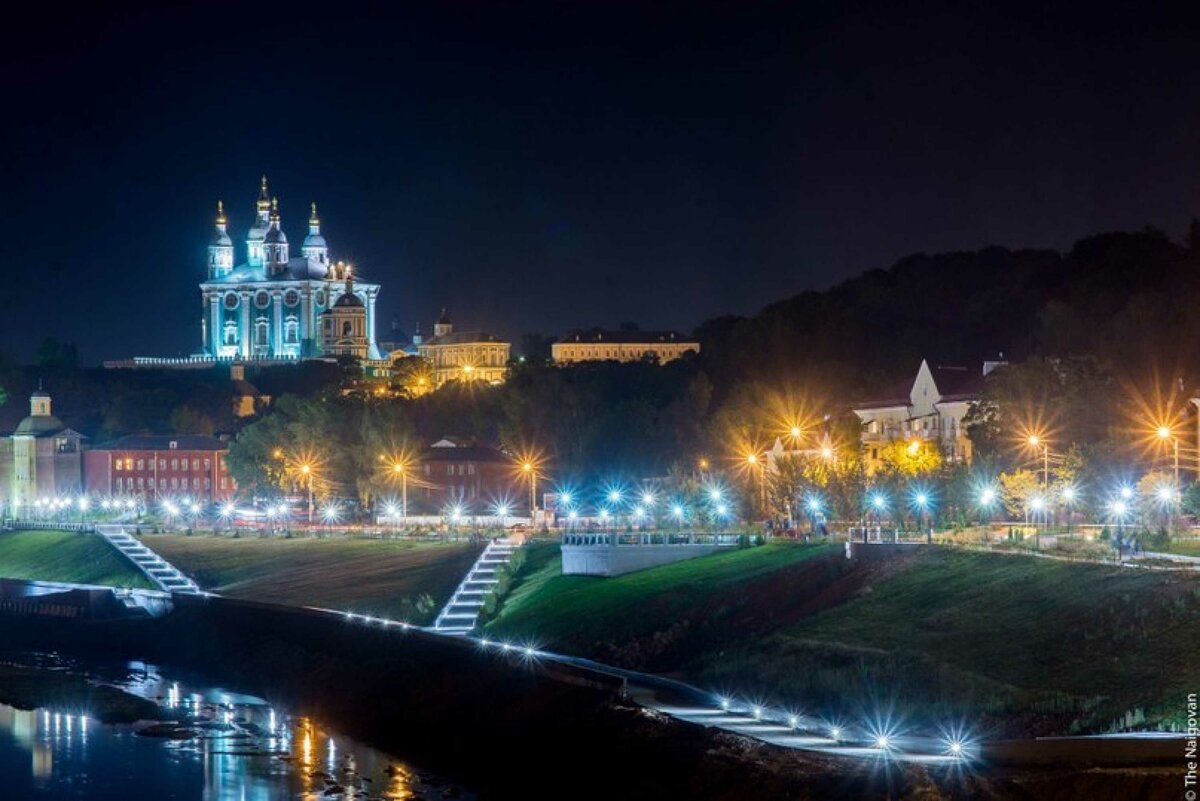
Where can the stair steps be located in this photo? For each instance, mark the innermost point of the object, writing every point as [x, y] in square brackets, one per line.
[461, 613]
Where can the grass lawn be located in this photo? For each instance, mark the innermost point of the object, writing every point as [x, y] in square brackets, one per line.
[392, 578]
[1182, 547]
[1013, 643]
[66, 556]
[580, 612]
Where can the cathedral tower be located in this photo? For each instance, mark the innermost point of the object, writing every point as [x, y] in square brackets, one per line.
[275, 244]
[220, 247]
[314, 248]
[262, 221]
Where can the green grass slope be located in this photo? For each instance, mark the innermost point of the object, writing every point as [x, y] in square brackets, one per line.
[610, 617]
[66, 556]
[1016, 644]
[404, 580]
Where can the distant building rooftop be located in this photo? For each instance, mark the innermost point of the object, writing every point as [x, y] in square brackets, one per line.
[622, 337]
[163, 442]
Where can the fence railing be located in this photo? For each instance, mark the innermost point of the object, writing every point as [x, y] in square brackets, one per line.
[614, 539]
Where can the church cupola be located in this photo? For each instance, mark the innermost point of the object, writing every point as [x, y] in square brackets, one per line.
[262, 221]
[443, 326]
[39, 403]
[314, 248]
[275, 244]
[220, 247]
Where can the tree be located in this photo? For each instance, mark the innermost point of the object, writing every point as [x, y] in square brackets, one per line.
[1018, 488]
[910, 459]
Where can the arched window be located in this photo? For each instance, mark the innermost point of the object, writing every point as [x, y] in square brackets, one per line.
[347, 329]
[291, 330]
[261, 332]
[231, 334]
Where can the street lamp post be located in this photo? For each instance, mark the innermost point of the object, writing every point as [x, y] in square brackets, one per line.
[306, 471]
[400, 468]
[1037, 442]
[757, 464]
[530, 469]
[1165, 433]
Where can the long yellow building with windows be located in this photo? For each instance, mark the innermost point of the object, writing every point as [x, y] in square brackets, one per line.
[596, 344]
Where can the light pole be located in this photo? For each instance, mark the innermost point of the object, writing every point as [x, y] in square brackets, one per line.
[756, 465]
[530, 469]
[1165, 433]
[400, 469]
[306, 472]
[922, 501]
[1036, 442]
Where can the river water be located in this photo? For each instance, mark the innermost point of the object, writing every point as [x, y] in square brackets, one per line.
[225, 747]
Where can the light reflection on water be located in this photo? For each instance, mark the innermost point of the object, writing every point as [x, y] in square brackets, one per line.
[243, 750]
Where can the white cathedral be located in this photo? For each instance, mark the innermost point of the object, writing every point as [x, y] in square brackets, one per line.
[276, 306]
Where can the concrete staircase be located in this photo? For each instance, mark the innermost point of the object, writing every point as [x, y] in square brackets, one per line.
[461, 612]
[159, 570]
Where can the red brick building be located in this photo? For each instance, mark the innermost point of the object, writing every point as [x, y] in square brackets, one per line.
[159, 466]
[475, 476]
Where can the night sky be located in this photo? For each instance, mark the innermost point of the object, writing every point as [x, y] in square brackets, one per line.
[539, 168]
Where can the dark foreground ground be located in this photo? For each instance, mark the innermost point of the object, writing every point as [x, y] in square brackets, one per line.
[506, 728]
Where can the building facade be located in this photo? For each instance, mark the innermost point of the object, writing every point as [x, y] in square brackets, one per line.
[270, 306]
[40, 459]
[468, 475]
[463, 356]
[160, 466]
[596, 344]
[930, 408]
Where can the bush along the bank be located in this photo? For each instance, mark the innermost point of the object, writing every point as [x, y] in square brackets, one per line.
[504, 580]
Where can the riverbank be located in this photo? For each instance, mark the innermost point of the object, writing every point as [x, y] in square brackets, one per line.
[930, 635]
[69, 556]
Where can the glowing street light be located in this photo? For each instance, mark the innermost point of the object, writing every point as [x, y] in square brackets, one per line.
[1165, 434]
[399, 470]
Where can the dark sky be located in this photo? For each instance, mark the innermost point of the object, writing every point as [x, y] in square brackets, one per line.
[537, 168]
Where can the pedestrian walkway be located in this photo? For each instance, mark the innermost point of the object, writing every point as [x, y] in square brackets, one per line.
[157, 569]
[461, 613]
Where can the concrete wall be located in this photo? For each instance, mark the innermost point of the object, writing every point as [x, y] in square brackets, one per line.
[606, 560]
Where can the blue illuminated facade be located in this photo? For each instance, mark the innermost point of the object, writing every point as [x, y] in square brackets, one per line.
[271, 305]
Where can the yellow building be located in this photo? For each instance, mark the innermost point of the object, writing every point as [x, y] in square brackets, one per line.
[463, 356]
[596, 344]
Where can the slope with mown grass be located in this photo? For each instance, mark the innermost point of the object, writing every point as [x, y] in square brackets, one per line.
[1015, 644]
[71, 556]
[391, 578]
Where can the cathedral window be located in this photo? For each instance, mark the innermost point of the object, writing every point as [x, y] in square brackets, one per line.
[231, 300]
[347, 329]
[291, 330]
[320, 297]
[231, 334]
[262, 300]
[291, 297]
[261, 332]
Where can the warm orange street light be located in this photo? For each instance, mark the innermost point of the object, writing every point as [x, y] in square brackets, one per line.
[1036, 442]
[1165, 433]
[528, 465]
[400, 470]
[306, 470]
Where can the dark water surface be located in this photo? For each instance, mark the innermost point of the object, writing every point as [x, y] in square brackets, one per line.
[230, 747]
